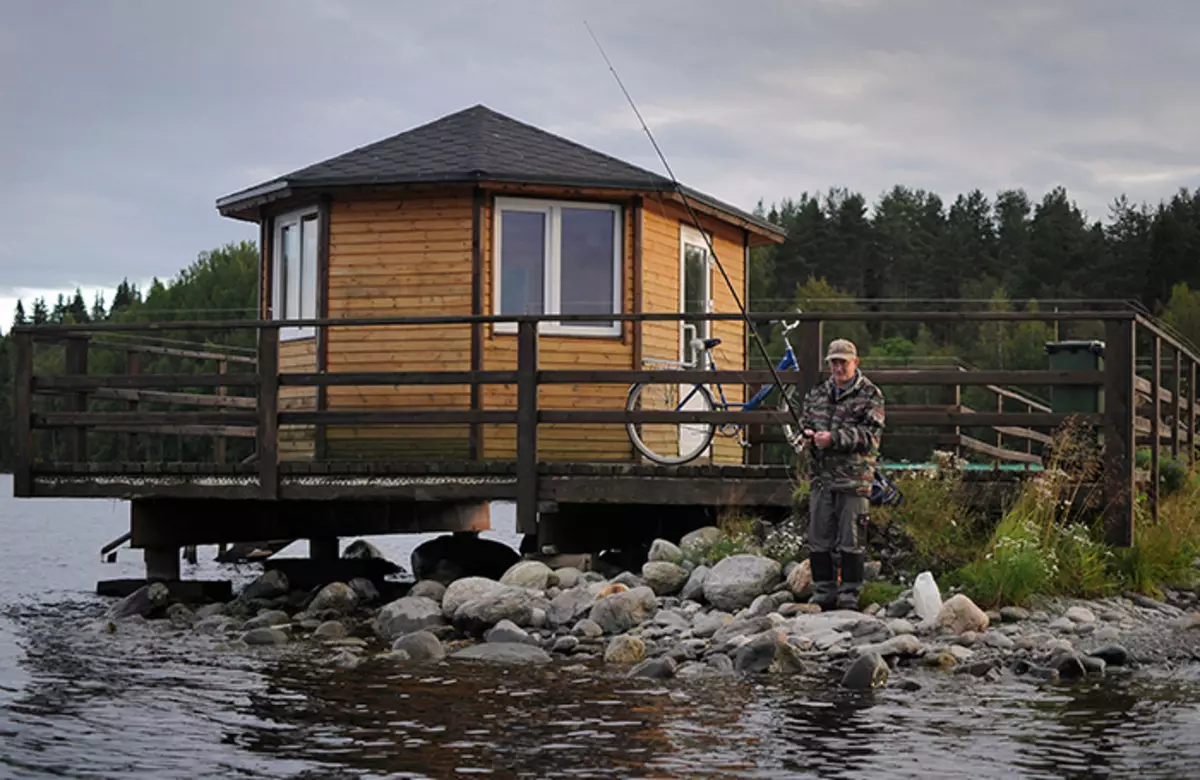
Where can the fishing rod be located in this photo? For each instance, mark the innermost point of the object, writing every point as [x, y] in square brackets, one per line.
[707, 240]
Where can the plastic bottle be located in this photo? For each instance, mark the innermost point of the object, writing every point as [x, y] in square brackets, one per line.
[927, 599]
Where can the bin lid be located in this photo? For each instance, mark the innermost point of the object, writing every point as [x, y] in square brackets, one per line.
[1081, 345]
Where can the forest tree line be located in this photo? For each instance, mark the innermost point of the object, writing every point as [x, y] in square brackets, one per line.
[907, 249]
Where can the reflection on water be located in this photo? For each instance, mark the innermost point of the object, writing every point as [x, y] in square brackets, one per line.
[150, 702]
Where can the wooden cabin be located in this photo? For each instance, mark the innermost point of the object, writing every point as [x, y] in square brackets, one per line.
[476, 212]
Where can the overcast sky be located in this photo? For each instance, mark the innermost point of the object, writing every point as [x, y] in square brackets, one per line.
[122, 121]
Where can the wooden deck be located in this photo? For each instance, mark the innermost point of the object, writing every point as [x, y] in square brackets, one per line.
[83, 433]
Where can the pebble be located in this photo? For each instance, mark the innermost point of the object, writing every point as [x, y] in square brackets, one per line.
[1080, 615]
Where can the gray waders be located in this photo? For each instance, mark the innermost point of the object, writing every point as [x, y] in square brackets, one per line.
[837, 523]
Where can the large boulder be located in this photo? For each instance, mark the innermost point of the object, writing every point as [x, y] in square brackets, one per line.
[503, 653]
[696, 543]
[736, 581]
[960, 614]
[270, 585]
[664, 578]
[662, 550]
[622, 611]
[335, 597]
[407, 616]
[467, 589]
[462, 554]
[527, 574]
[506, 603]
[143, 602]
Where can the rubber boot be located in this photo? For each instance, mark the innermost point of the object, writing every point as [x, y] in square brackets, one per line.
[850, 589]
[824, 582]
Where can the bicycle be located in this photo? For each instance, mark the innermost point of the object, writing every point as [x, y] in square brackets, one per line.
[691, 439]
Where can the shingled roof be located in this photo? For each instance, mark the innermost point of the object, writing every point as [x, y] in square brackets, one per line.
[475, 144]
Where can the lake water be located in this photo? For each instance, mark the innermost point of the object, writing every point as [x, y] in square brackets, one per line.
[137, 704]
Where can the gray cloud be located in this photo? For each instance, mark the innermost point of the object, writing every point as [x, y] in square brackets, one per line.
[123, 122]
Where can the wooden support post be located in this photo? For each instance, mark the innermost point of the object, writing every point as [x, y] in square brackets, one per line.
[23, 408]
[1177, 398]
[268, 411]
[808, 354]
[219, 453]
[75, 356]
[1119, 434]
[1192, 398]
[475, 434]
[527, 433]
[1155, 423]
[132, 367]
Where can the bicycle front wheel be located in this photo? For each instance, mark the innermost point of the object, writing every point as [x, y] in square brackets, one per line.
[670, 443]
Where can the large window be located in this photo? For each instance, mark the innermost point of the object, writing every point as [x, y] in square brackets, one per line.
[558, 258]
[295, 270]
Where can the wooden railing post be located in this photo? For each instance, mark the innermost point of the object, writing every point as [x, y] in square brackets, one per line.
[1120, 409]
[268, 411]
[219, 444]
[808, 354]
[527, 424]
[1192, 398]
[1155, 423]
[23, 407]
[132, 367]
[75, 356]
[1177, 399]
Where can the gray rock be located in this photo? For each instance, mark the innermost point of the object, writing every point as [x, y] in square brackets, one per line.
[736, 581]
[900, 626]
[407, 615]
[466, 589]
[670, 619]
[270, 585]
[274, 617]
[143, 602]
[1095, 666]
[867, 672]
[1080, 615]
[335, 597]
[366, 590]
[693, 590]
[900, 608]
[998, 641]
[904, 644]
[569, 606]
[181, 616]
[1112, 655]
[745, 626]
[720, 662]
[508, 631]
[1068, 665]
[428, 589]
[663, 551]
[568, 577]
[696, 543]
[330, 629]
[625, 649]
[628, 579]
[420, 646]
[509, 603]
[664, 577]
[655, 668]
[1063, 624]
[528, 574]
[622, 611]
[1014, 614]
[210, 610]
[588, 629]
[503, 653]
[709, 623]
[265, 636]
[762, 606]
[565, 644]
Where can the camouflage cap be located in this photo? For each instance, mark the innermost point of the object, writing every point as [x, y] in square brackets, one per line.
[843, 349]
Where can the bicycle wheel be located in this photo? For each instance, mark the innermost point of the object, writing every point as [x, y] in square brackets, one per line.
[790, 399]
[670, 443]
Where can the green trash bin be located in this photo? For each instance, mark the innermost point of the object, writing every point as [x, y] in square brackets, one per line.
[1076, 356]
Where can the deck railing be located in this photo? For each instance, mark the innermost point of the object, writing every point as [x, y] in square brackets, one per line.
[245, 403]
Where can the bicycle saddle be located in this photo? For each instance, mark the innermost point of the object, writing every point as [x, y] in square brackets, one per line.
[710, 343]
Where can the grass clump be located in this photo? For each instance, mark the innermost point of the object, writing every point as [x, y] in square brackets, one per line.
[880, 592]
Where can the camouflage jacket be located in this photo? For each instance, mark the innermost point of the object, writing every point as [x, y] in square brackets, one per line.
[855, 417]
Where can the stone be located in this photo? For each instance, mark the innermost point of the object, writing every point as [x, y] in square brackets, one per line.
[799, 608]
[664, 577]
[534, 575]
[568, 577]
[1112, 655]
[960, 614]
[872, 570]
[867, 672]
[429, 589]
[587, 628]
[565, 644]
[1014, 614]
[270, 585]
[508, 631]
[720, 662]
[406, 615]
[568, 606]
[693, 589]
[762, 606]
[655, 668]
[461, 591]
[1080, 615]
[665, 552]
[904, 644]
[624, 649]
[695, 544]
[622, 611]
[998, 641]
[420, 646]
[366, 590]
[503, 653]
[331, 629]
[736, 581]
[265, 636]
[143, 602]
[335, 597]
[1068, 665]
[900, 626]
[181, 616]
[900, 608]
[273, 617]
[799, 579]
[456, 556]
[1062, 624]
[507, 603]
[709, 623]
[1095, 666]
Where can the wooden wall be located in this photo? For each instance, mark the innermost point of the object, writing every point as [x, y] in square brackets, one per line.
[297, 442]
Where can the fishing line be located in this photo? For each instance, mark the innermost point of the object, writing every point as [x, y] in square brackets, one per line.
[696, 221]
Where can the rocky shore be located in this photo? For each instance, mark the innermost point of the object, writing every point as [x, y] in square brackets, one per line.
[744, 614]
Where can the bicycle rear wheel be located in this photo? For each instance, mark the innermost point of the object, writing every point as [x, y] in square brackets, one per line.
[670, 443]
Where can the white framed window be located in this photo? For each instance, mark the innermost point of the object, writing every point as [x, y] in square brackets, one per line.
[294, 270]
[557, 257]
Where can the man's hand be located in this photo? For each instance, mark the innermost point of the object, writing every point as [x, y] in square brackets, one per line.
[820, 438]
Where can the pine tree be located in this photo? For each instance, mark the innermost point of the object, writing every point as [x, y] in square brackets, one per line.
[19, 315]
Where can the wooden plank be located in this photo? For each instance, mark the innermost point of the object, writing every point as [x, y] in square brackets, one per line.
[23, 409]
[95, 381]
[188, 399]
[761, 375]
[895, 418]
[1034, 405]
[268, 412]
[1000, 453]
[1155, 423]
[231, 431]
[324, 232]
[75, 357]
[667, 490]
[369, 417]
[638, 304]
[527, 430]
[1119, 436]
[1025, 433]
[1190, 403]
[92, 419]
[1178, 392]
[478, 201]
[199, 354]
[380, 378]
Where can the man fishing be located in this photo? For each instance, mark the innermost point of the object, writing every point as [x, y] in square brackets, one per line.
[843, 417]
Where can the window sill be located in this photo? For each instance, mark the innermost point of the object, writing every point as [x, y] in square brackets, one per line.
[510, 329]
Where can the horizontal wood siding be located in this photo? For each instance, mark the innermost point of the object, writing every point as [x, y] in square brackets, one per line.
[297, 442]
[396, 257]
[560, 442]
[661, 291]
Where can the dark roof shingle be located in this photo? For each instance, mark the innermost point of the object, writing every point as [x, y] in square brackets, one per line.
[475, 144]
